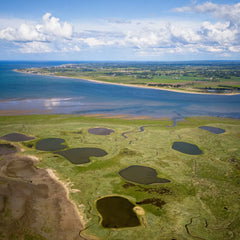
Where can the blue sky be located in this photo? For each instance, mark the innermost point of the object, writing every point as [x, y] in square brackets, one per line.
[119, 30]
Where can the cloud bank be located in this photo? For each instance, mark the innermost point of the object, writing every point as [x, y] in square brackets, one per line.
[145, 37]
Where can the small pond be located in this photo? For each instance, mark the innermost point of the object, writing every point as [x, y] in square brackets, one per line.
[117, 212]
[100, 131]
[7, 149]
[50, 144]
[82, 155]
[16, 137]
[142, 175]
[187, 148]
[213, 129]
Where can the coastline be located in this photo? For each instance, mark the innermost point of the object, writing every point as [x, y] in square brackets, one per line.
[131, 85]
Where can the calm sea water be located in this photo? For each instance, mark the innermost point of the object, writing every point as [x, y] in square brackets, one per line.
[45, 94]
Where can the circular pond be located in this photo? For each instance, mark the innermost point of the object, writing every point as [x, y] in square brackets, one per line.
[213, 129]
[16, 137]
[82, 155]
[117, 212]
[142, 175]
[7, 149]
[50, 144]
[100, 131]
[187, 148]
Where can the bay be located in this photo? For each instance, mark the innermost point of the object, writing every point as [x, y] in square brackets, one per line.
[48, 94]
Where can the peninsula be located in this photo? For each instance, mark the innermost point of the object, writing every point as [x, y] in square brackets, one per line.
[215, 77]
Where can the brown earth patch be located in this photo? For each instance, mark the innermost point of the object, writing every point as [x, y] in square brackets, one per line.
[33, 202]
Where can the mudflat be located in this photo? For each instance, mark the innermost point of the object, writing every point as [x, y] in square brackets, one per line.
[33, 204]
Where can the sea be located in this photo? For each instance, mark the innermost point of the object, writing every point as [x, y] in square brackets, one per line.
[22, 93]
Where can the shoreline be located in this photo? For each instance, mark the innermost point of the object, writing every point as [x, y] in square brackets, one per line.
[131, 85]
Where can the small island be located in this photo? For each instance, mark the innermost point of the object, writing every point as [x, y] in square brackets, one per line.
[214, 77]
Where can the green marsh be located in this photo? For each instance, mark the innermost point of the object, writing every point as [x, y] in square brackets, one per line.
[202, 199]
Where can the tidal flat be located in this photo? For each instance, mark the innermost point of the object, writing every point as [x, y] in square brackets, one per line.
[200, 201]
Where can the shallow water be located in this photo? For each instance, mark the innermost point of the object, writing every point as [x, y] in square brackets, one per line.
[7, 149]
[46, 94]
[16, 137]
[100, 131]
[50, 144]
[187, 148]
[213, 129]
[142, 175]
[117, 212]
[82, 155]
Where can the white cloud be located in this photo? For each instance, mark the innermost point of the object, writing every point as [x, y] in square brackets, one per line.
[222, 11]
[145, 37]
[34, 47]
[51, 25]
[23, 33]
[219, 33]
[235, 49]
[49, 30]
[40, 38]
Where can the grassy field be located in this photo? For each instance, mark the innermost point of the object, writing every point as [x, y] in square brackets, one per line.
[200, 202]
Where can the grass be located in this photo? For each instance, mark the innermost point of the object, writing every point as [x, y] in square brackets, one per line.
[202, 199]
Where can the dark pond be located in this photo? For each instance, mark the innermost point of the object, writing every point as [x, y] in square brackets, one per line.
[142, 175]
[117, 212]
[16, 137]
[50, 144]
[81, 155]
[7, 149]
[187, 148]
[100, 131]
[213, 129]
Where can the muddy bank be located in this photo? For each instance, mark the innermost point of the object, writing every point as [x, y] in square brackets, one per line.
[34, 204]
[6, 148]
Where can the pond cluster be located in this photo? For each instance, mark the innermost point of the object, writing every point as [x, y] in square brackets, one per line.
[115, 211]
